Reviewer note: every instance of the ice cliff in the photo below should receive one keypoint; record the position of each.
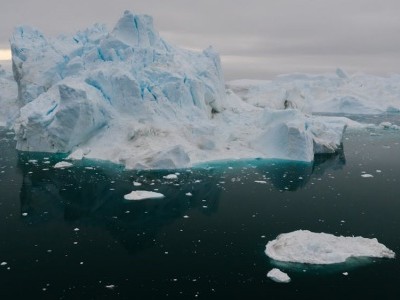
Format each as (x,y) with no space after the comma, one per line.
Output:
(128,96)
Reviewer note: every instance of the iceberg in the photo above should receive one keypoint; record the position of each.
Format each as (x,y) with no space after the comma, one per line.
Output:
(129,97)
(303,246)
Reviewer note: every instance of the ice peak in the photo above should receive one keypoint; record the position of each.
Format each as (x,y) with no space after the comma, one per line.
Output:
(136,30)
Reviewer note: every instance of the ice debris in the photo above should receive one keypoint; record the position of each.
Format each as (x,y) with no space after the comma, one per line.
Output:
(171,176)
(278,276)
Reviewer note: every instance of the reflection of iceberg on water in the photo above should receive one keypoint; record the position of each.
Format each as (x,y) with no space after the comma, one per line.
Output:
(95,196)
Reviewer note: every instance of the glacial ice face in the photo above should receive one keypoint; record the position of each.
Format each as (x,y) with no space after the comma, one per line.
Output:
(129,97)
(303,246)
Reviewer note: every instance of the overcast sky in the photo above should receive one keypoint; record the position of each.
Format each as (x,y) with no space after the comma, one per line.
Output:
(256,38)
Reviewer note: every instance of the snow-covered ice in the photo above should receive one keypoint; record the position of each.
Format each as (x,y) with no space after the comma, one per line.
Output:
(278,276)
(142,195)
(303,246)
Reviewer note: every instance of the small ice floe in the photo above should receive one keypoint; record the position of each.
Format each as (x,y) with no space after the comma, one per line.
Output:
(260,181)
(24,214)
(189,194)
(135,183)
(186,216)
(303,246)
(278,276)
(142,195)
(62,165)
(76,229)
(4,263)
(33,161)
(170,176)
(110,286)
(367,175)
(345,273)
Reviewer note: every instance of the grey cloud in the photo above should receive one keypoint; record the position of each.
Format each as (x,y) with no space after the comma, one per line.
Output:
(312,35)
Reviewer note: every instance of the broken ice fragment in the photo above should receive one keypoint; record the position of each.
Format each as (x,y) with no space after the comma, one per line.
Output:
(278,276)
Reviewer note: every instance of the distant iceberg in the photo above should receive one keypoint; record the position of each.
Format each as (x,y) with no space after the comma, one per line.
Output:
(336,93)
(128,96)
(303,246)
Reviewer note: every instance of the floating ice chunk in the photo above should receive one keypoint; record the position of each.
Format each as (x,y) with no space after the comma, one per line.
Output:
(170,176)
(62,165)
(135,183)
(278,276)
(367,175)
(260,181)
(303,246)
(142,195)
(110,286)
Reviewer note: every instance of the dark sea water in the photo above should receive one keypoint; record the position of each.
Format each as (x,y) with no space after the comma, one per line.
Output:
(69,234)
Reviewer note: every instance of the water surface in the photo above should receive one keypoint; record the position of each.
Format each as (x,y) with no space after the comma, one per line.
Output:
(69,234)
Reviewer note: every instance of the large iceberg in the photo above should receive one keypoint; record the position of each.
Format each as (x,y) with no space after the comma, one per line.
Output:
(303,246)
(128,96)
